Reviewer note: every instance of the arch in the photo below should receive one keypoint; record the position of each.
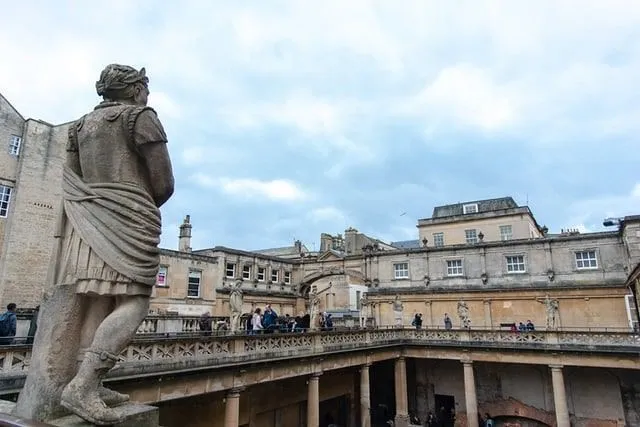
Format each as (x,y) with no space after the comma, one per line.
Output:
(512,408)
(305,286)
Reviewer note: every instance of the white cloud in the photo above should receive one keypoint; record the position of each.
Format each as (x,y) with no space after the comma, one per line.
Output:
(588,214)
(328,214)
(163,103)
(249,188)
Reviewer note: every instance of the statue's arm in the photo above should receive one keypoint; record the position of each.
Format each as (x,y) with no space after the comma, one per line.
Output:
(152,145)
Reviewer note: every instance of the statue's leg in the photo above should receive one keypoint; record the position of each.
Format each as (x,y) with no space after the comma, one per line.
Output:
(82,394)
(100,309)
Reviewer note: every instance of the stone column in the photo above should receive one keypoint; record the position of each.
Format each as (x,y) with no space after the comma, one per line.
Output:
(232,408)
(470,394)
(313,400)
(488,322)
(365,403)
(559,397)
(402,406)
(429,314)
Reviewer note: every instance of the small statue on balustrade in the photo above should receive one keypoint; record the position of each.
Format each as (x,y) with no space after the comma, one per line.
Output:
(235,305)
(314,305)
(398,309)
(364,310)
(551,306)
(463,314)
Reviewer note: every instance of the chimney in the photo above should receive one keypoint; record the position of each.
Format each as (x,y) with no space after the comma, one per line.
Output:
(184,241)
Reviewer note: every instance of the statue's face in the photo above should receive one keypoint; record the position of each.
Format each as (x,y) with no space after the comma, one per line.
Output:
(141,94)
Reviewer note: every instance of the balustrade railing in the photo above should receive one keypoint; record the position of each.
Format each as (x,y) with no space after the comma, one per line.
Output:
(196,348)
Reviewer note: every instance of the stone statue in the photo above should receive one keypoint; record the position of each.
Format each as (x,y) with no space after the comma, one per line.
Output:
(314,305)
(235,305)
(106,257)
(364,310)
(463,314)
(551,306)
(397,310)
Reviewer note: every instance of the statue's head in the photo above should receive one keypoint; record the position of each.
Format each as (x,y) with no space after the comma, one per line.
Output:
(123,83)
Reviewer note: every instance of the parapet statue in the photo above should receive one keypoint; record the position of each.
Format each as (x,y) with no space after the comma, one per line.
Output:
(235,305)
(106,257)
(398,308)
(314,305)
(463,314)
(551,306)
(364,310)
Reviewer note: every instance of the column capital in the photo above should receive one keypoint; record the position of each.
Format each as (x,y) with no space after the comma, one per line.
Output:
(235,391)
(466,362)
(556,367)
(315,375)
(365,365)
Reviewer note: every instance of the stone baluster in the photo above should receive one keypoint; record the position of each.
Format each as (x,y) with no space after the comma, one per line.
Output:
(559,397)
(470,394)
(313,400)
(365,403)
(232,408)
(402,405)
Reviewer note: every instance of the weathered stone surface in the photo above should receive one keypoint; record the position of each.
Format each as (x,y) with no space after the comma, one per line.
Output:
(134,416)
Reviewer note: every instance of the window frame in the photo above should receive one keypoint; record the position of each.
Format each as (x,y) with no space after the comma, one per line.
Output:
(523,263)
(189,277)
(275,272)
(287,278)
(475,236)
(262,271)
(5,200)
(502,235)
(232,269)
(246,269)
(15,144)
(630,306)
(440,235)
(166,274)
(586,251)
(396,270)
(469,208)
(448,268)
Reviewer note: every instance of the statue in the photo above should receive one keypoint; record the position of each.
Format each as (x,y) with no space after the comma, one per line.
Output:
(364,310)
(106,257)
(463,314)
(235,305)
(397,310)
(314,305)
(551,306)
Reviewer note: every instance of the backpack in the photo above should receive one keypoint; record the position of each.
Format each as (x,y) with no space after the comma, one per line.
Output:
(5,324)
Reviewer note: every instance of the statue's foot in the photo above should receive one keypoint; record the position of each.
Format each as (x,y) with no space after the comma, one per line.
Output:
(89,406)
(112,397)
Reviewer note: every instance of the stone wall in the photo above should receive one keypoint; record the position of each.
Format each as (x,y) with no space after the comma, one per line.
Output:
(29,232)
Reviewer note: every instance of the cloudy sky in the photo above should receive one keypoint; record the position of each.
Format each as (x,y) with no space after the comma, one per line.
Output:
(291,118)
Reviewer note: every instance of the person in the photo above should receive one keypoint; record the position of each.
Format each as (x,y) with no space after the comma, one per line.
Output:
(417,321)
(256,322)
(488,421)
(116,177)
(205,324)
(8,324)
(447,321)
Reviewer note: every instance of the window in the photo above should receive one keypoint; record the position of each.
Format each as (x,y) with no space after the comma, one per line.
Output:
(471,236)
(261,274)
(193,285)
(5,197)
(275,275)
(246,272)
(161,278)
(505,232)
(632,312)
(358,296)
(401,270)
(454,267)
(14,145)
(515,264)
(438,240)
(470,208)
(586,259)
(230,270)
(287,277)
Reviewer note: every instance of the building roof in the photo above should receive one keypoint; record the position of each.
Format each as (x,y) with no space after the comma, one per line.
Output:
(486,205)
(281,251)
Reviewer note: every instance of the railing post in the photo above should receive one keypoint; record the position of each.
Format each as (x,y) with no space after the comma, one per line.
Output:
(238,344)
(552,337)
(317,342)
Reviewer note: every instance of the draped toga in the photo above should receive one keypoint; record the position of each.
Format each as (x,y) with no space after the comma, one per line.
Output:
(111,228)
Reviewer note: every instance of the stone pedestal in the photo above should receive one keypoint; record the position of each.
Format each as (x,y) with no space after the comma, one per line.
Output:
(136,416)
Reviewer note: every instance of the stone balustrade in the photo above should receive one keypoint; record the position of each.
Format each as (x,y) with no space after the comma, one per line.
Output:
(166,354)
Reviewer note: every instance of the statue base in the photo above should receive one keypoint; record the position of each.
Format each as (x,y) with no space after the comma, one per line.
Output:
(135,415)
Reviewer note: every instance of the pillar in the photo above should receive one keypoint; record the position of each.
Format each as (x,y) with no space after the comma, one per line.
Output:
(365,402)
(488,322)
(313,401)
(402,407)
(232,408)
(559,397)
(470,394)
